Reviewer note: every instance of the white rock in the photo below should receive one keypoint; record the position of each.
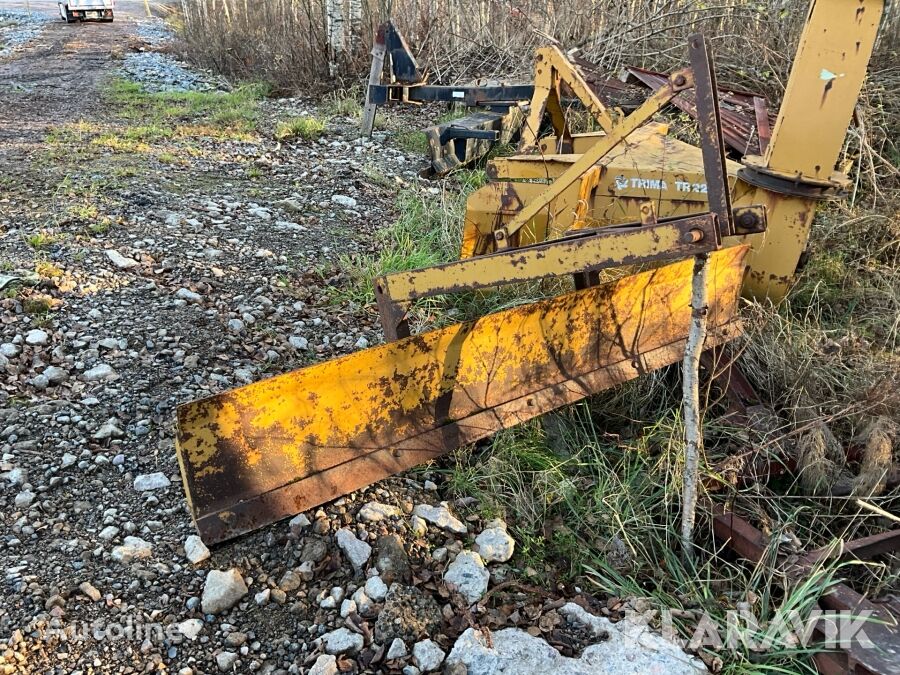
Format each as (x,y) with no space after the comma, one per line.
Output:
(357,551)
(16,476)
(468,576)
(375,511)
(439,554)
(440,516)
(9,350)
(364,604)
(37,337)
(110,429)
(55,374)
(428,655)
(418,526)
(298,342)
(260,212)
(376,588)
(348,607)
(151,481)
(495,545)
(108,533)
(68,459)
(344,200)
(298,523)
(188,295)
(133,548)
(397,649)
(342,641)
(262,598)
(195,550)
(40,382)
(90,591)
(222,591)
(307,570)
(190,628)
(326,664)
(226,661)
(119,260)
(235,325)
(362,343)
(24,499)
(629,648)
(99,373)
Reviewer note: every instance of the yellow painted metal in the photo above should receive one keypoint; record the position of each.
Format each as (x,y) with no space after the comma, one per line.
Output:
(595,153)
(552,68)
(826,77)
(573,255)
(658,168)
(265,451)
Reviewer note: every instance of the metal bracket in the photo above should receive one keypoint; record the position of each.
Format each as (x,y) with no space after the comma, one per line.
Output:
(580,254)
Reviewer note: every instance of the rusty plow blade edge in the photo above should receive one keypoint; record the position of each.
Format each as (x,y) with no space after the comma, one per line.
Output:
(269,450)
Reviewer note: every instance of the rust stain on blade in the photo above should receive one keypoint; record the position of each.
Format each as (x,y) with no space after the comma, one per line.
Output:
(262,452)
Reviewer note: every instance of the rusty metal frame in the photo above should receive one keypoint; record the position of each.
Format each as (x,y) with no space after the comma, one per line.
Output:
(552,70)
(603,248)
(750,543)
(679,81)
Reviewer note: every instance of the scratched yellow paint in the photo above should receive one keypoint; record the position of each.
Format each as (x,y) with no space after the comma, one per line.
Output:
(262,436)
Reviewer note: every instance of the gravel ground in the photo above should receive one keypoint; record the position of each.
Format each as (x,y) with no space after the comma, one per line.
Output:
(175,269)
(162,72)
(18,28)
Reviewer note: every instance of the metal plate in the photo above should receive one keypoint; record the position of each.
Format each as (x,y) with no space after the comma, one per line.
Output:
(269,450)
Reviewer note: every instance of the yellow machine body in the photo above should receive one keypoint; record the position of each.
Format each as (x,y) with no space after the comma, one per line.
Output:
(795,174)
(253,455)
(271,449)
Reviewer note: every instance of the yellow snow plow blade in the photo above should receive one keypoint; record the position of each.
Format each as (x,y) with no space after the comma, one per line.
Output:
(271,449)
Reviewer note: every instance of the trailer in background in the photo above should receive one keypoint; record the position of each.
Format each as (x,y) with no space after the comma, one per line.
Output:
(86,10)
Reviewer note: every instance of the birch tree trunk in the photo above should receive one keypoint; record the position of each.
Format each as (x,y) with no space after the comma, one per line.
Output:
(334,26)
(693,429)
(356,13)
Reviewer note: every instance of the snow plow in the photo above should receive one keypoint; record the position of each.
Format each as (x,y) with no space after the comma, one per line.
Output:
(631,202)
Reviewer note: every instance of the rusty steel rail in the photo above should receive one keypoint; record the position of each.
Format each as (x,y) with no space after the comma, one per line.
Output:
(884,658)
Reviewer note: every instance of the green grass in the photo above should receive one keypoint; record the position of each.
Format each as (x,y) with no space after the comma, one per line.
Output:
(412,141)
(236,111)
(41,241)
(307,128)
(427,231)
(592,497)
(344,103)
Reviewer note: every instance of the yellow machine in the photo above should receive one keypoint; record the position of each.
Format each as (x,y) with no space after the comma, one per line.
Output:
(796,171)
(630,198)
